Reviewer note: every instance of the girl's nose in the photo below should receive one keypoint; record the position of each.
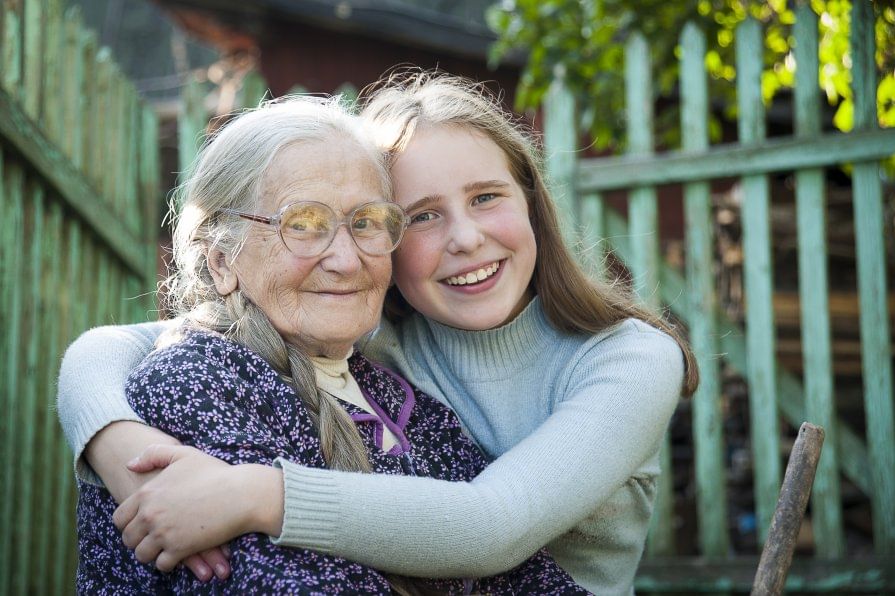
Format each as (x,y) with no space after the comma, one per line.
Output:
(465,235)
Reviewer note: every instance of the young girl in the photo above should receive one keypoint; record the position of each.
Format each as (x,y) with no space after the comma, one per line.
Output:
(566,383)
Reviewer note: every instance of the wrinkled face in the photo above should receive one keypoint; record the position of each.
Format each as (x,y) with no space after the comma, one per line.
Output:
(468,256)
(323,303)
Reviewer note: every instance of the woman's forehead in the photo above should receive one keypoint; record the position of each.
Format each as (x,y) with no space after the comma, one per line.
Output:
(337,173)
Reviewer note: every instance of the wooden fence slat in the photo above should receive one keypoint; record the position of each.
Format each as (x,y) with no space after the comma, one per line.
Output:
(707,418)
(560,147)
(870,240)
(149,192)
(13,233)
(11,56)
(691,575)
(89,128)
(100,101)
(6,423)
(30,284)
(114,161)
(826,502)
(191,124)
(49,465)
(73,86)
(593,234)
(758,276)
(105,122)
(78,321)
(52,99)
(34,12)
(643,223)
(774,155)
(132,152)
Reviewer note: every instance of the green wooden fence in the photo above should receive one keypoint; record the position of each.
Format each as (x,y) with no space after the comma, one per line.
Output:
(868,462)
(78,202)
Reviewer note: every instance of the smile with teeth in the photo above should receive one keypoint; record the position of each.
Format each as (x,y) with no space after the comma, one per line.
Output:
(472,277)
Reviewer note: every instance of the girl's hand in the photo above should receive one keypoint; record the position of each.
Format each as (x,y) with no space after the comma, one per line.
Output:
(196,502)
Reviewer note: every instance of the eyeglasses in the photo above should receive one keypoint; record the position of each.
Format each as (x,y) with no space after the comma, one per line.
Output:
(307,228)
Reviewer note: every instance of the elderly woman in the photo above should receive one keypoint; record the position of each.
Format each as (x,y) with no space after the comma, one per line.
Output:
(274,293)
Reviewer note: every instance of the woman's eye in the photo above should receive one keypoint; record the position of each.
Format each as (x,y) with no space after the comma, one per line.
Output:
(424,217)
(484,198)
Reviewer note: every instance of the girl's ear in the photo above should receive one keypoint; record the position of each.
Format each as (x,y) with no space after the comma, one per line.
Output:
(222,272)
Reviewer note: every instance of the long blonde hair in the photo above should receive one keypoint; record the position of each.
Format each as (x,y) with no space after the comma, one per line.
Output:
(228,174)
(398,104)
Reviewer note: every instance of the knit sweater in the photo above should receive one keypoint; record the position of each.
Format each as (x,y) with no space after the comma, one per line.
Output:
(574,421)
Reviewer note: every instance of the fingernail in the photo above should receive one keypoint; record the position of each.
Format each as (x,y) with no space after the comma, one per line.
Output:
(205,573)
(221,571)
(226,550)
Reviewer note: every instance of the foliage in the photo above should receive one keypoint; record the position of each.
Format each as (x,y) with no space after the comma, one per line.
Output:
(586,38)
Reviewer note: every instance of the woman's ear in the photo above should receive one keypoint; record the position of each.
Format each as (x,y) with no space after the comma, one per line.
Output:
(222,272)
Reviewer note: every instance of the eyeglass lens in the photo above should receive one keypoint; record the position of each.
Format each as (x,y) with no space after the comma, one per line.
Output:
(308,228)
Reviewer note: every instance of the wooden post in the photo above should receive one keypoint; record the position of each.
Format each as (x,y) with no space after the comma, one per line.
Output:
(781,541)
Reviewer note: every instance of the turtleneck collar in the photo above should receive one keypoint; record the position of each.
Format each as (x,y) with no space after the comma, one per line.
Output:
(332,374)
(510,347)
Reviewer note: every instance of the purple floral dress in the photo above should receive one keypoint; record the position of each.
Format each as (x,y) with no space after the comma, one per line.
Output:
(225,400)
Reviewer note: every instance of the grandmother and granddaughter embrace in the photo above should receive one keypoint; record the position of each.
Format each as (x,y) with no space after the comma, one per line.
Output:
(497,431)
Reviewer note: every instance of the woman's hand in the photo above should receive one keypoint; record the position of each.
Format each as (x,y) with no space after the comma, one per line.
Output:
(197,502)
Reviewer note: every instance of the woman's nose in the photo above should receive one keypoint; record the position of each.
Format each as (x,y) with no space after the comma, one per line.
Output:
(465,235)
(343,255)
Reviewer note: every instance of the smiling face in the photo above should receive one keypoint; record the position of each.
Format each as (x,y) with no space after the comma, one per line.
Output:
(323,303)
(468,256)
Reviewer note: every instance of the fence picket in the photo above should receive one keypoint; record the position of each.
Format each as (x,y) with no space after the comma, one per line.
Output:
(32,56)
(869,234)
(826,503)
(52,72)
(30,282)
(132,212)
(757,266)
(11,55)
(72,80)
(79,320)
(643,224)
(560,146)
(191,124)
(49,464)
(89,107)
(707,418)
(148,174)
(13,231)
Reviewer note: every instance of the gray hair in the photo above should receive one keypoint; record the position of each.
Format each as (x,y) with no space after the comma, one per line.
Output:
(228,174)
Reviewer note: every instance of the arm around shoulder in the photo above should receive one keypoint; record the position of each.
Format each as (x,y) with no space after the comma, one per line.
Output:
(91,383)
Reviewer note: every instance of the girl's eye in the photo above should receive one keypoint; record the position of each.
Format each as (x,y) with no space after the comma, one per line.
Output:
(484,198)
(424,217)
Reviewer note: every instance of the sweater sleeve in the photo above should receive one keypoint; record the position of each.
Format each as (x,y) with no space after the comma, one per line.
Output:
(618,401)
(91,383)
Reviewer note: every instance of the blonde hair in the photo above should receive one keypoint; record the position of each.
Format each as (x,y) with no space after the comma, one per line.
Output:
(228,174)
(396,106)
